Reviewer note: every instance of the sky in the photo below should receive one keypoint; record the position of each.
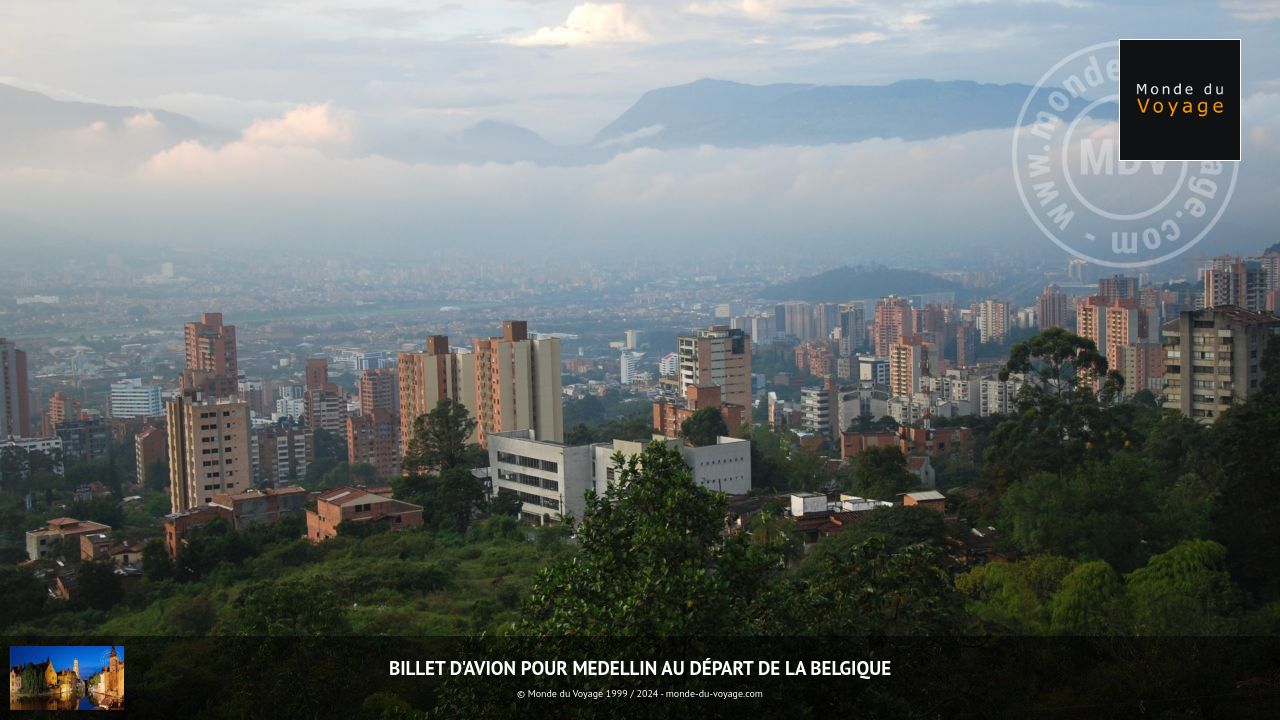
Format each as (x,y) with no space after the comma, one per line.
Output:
(92,657)
(307,90)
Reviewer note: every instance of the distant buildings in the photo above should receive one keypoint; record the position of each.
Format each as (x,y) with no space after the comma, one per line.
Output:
(1212,359)
(15,397)
(993,324)
(325,407)
(669,365)
(281,454)
(48,447)
(894,320)
(629,367)
(909,361)
(1233,281)
(1052,308)
(1118,287)
(84,440)
(149,446)
(379,390)
(373,438)
(131,399)
(669,414)
(212,364)
(717,356)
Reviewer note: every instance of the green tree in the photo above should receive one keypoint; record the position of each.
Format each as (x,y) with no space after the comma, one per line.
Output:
(506,502)
(22,595)
(867,590)
(289,608)
(195,615)
(1087,601)
(1012,597)
(653,560)
(439,438)
(99,586)
(880,473)
(1185,591)
(1246,514)
(156,563)
(704,426)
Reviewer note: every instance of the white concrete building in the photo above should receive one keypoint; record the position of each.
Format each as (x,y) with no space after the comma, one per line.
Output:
(50,446)
(551,478)
(131,398)
(723,467)
(629,366)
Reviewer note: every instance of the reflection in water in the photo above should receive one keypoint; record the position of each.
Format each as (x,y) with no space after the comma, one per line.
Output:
(65,701)
(49,703)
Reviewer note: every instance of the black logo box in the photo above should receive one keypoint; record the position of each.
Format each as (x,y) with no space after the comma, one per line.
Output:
(1186,65)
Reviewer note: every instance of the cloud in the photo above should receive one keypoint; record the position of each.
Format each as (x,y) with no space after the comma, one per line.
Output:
(589,24)
(145,120)
(307,126)
(628,138)
(909,202)
(824,43)
(1254,10)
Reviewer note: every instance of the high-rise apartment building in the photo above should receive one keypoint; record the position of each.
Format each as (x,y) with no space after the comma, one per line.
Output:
(1091,320)
(1242,283)
(1213,358)
(131,399)
(1118,287)
(379,390)
(717,356)
(149,447)
(518,384)
(966,344)
(427,376)
(510,382)
(373,438)
(15,397)
(325,407)
(795,319)
(1052,309)
(61,408)
(212,365)
(825,320)
(317,373)
(1139,363)
(994,326)
(893,321)
(629,367)
(280,455)
(209,448)
(908,363)
(853,325)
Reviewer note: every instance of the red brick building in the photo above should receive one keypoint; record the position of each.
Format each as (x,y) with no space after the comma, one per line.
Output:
(357,505)
(669,415)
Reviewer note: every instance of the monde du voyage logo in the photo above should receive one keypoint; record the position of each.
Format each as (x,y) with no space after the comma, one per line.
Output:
(1124,152)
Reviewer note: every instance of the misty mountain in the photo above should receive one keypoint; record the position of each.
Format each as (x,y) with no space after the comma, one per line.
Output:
(37,129)
(729,114)
(855,283)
